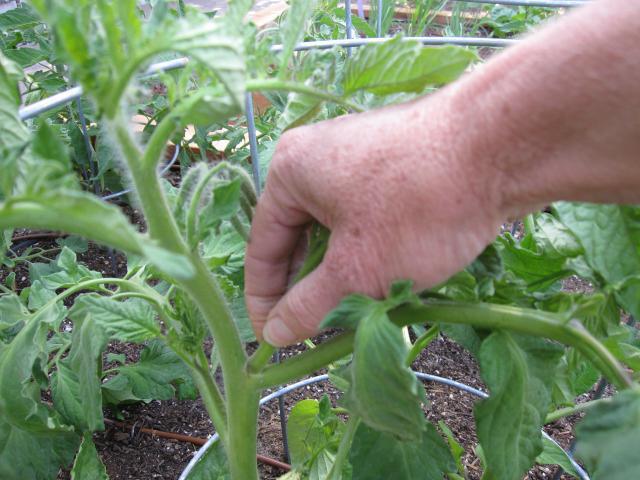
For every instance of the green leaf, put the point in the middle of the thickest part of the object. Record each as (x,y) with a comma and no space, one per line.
(85,215)
(538,269)
(238,309)
(608,438)
(88,465)
(554,238)
(214,465)
(314,434)
(609,235)
(318,244)
(301,108)
(13,133)
(400,65)
(65,272)
(207,106)
(26,56)
(73,243)
(106,45)
(217,45)
(20,18)
(518,372)
(20,401)
(34,456)
(129,321)
(375,455)
(456,449)
(383,392)
(48,146)
(153,376)
(552,454)
(12,312)
(225,201)
(76,386)
(292,30)
(175,265)
(73,212)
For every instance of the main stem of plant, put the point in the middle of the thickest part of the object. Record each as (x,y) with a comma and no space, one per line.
(240,410)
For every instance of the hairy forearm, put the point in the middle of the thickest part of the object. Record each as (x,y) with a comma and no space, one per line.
(558,116)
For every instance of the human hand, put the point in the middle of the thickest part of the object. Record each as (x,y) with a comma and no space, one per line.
(401,190)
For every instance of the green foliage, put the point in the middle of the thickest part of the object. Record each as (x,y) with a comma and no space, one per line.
(505,21)
(607,436)
(383,392)
(213,465)
(87,465)
(77,381)
(185,277)
(34,455)
(377,455)
(610,236)
(552,454)
(128,321)
(314,433)
(292,30)
(516,371)
(403,66)
(154,376)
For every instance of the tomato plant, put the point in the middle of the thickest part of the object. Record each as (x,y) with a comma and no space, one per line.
(538,347)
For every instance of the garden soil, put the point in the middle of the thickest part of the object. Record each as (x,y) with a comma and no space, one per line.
(131,454)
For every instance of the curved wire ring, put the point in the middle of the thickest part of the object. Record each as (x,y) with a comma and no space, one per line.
(582,474)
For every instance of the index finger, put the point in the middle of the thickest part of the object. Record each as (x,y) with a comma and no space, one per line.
(278,223)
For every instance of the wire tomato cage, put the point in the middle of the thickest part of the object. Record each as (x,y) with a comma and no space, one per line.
(74,94)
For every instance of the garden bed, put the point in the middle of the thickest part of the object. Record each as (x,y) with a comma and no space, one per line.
(130,454)
(71,322)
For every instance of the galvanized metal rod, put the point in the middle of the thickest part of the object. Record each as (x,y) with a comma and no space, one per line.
(31,111)
(348,22)
(379,20)
(253,141)
(582,474)
(533,3)
(62,98)
(359,42)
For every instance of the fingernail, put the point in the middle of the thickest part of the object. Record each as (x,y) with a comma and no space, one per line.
(277,333)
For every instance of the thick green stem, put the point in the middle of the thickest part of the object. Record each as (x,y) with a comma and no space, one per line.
(161,224)
(246,207)
(480,315)
(279,85)
(343,449)
(158,141)
(421,343)
(581,407)
(205,291)
(529,224)
(211,396)
(305,363)
(519,320)
(242,401)
(260,357)
(240,228)
(33,213)
(87,284)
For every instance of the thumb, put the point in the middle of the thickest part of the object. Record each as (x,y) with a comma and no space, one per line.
(299,313)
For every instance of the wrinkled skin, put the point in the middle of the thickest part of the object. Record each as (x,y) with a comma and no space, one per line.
(403,210)
(416,191)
